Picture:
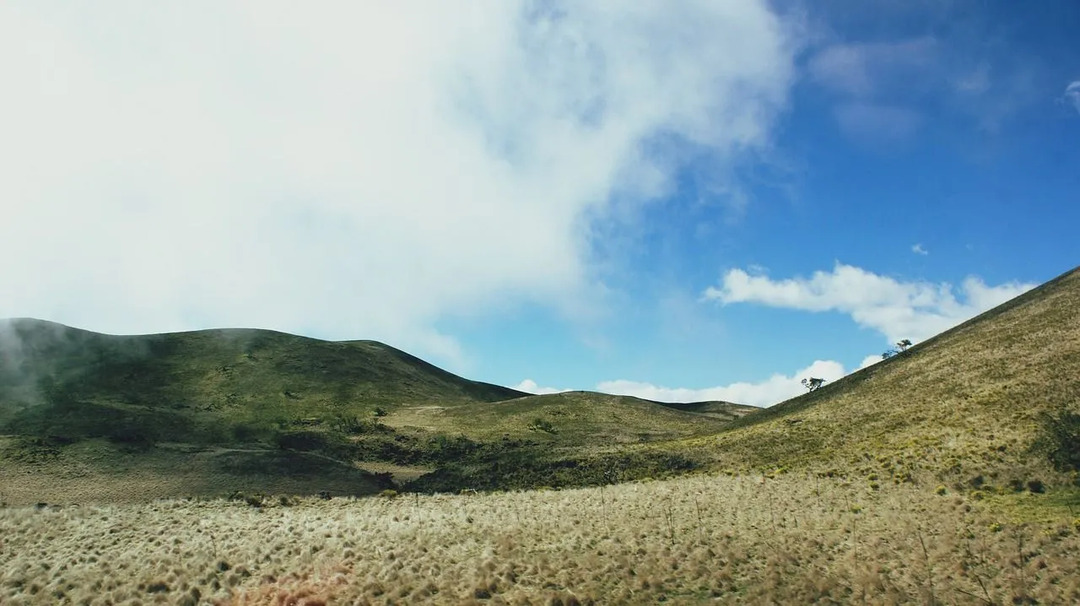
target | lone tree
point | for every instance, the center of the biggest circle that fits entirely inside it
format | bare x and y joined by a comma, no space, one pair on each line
813,383
901,346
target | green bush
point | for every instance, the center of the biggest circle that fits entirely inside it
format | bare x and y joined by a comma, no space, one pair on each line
543,425
301,440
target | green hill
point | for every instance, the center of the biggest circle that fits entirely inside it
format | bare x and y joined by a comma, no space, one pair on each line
258,405
571,419
994,400
210,386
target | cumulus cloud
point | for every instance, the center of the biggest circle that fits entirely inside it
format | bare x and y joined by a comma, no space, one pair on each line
897,309
919,250
772,390
1072,94
530,386
351,170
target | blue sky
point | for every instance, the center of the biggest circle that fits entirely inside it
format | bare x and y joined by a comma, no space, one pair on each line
681,201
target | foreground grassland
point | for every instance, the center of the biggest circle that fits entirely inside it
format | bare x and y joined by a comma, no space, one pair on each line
706,538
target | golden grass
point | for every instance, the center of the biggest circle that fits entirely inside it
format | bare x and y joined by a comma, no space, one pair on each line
94,471
576,419
708,538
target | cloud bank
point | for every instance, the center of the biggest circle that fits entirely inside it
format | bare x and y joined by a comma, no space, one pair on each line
530,386
346,170
897,309
775,389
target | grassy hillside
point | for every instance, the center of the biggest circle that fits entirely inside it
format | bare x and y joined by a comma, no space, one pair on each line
993,402
348,404
563,419
726,411
973,404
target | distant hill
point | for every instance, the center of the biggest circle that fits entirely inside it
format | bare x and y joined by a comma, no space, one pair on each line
995,400
718,409
981,402
210,386
574,418
250,408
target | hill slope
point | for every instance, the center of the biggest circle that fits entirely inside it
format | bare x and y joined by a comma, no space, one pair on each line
205,386
252,407
971,401
573,418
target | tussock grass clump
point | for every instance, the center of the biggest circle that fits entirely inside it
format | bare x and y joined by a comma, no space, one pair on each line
794,538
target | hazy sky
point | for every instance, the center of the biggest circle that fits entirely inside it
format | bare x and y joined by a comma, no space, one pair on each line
680,200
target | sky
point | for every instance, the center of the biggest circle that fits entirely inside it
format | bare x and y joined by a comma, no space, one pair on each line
681,201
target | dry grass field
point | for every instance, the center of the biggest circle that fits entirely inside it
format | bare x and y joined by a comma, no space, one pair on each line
700,539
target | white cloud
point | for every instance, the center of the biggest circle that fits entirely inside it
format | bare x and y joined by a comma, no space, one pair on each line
773,390
345,169
919,250
530,386
899,310
1072,94
869,361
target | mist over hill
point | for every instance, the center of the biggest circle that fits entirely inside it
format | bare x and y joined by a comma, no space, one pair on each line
267,404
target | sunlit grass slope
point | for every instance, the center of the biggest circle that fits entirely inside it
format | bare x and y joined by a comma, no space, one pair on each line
570,418
972,401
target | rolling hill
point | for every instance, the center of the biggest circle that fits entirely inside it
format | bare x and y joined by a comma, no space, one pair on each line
255,405
994,400
946,474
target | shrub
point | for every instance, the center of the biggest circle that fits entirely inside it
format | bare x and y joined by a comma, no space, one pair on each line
542,425
940,489
1036,486
255,499
301,440
1061,440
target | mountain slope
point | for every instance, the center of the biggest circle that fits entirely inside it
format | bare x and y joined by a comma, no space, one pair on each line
205,386
237,409
971,401
717,409
577,419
